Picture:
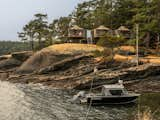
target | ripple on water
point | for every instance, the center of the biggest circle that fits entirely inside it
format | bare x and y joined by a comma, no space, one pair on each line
36,102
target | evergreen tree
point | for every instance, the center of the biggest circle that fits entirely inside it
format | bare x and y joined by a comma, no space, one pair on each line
29,30
111,13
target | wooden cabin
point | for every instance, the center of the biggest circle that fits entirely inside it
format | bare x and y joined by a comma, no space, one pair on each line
99,32
76,34
123,31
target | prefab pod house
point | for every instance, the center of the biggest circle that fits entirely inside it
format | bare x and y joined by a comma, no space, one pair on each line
123,31
99,32
76,34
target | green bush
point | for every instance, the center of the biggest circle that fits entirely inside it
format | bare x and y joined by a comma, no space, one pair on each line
105,53
111,41
8,47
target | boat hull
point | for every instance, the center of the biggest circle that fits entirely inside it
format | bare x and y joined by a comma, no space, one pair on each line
111,100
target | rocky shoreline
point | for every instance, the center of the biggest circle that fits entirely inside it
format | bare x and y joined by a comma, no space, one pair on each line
77,72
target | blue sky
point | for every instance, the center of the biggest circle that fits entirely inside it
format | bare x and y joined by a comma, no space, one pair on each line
16,13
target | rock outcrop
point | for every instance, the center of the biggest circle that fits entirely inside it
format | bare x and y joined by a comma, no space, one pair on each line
71,68
22,56
9,63
50,55
14,60
80,74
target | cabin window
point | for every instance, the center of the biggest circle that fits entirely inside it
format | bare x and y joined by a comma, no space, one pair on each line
116,92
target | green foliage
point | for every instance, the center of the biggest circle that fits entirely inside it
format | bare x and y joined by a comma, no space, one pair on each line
106,54
7,47
92,13
58,41
131,42
38,29
111,41
123,13
114,13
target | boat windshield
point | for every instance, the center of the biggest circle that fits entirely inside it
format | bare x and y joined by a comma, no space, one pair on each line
116,92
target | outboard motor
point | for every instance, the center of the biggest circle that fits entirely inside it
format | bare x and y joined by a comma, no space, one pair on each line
120,82
77,98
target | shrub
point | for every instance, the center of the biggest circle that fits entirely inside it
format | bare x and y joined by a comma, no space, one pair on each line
111,41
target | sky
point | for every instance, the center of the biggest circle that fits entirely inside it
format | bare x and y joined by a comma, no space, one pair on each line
14,14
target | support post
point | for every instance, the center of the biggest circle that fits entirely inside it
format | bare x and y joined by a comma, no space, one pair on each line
137,44
158,43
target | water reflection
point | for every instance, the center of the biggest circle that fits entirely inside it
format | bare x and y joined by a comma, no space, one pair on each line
36,102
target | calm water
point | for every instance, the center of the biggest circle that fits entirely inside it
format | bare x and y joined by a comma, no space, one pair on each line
35,102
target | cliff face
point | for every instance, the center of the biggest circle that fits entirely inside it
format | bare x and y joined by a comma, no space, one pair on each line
75,70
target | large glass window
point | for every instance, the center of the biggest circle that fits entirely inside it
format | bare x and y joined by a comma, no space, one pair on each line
116,92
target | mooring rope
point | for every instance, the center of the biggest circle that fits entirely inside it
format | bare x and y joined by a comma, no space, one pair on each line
90,91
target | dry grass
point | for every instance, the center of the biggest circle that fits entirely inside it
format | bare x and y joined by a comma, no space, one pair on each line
55,53
122,58
147,59
145,115
155,60
70,48
126,48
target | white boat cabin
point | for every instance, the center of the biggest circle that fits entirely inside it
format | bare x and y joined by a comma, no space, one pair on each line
113,90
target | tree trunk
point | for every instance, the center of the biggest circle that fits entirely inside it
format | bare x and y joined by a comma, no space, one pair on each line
32,43
147,39
158,43
40,42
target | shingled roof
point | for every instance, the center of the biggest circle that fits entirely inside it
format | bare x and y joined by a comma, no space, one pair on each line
76,27
102,27
123,28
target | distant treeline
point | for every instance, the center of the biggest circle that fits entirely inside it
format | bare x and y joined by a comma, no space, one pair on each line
7,47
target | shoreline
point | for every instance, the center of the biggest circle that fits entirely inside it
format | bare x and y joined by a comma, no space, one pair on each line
74,69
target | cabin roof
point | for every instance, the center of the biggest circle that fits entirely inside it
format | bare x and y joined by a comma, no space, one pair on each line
123,28
76,27
102,27
113,86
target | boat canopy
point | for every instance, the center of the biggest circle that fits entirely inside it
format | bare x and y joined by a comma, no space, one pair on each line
113,86
113,89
